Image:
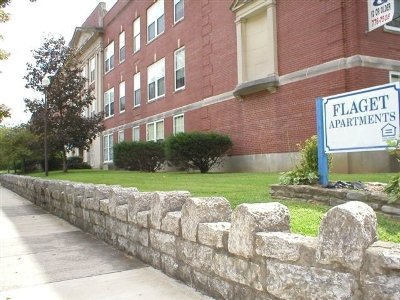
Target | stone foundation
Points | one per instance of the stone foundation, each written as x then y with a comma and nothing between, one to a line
378,201
247,253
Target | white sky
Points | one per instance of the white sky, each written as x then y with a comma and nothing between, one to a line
30,22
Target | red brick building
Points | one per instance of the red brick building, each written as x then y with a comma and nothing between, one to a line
251,69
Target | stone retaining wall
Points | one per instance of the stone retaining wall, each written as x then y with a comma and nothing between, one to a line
377,200
247,253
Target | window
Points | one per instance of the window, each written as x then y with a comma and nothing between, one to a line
179,124
122,46
121,136
136,35
179,68
136,134
136,90
109,57
155,131
178,10
93,108
395,23
108,148
92,66
394,76
155,20
156,79
109,103
122,96
84,71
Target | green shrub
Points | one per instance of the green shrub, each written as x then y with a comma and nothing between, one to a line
306,171
197,149
76,162
139,156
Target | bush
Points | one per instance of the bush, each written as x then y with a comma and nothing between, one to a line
306,172
139,156
197,149
76,162
393,187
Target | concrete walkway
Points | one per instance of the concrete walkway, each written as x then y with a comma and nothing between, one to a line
44,257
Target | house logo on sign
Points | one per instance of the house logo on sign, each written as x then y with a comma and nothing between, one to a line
388,131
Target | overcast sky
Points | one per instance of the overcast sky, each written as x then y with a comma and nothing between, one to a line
29,24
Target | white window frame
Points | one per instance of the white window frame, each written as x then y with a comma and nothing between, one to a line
155,13
109,58
136,35
122,98
157,136
134,137
121,136
391,73
92,69
183,10
122,49
136,87
178,51
155,73
109,108
175,131
85,71
108,148
390,28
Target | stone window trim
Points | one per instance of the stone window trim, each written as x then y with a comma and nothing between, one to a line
269,83
244,10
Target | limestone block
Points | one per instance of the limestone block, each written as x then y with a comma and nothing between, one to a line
149,256
247,219
284,246
214,234
164,202
96,218
121,212
356,196
110,223
138,235
382,257
200,280
221,289
138,202
121,228
345,233
380,287
119,197
103,206
122,243
172,222
93,204
203,210
169,265
142,218
195,255
390,210
163,242
238,270
102,191
287,281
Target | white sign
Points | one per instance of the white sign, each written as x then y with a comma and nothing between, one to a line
380,12
362,120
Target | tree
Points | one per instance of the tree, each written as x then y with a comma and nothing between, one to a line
18,145
4,112
67,98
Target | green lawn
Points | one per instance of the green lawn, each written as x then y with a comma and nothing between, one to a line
237,188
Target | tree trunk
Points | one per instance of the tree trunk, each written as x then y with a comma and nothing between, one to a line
65,166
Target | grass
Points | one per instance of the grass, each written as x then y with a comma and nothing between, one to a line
237,188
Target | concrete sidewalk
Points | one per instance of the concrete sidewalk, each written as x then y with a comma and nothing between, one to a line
44,257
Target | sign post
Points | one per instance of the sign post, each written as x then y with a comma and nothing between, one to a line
323,168
362,120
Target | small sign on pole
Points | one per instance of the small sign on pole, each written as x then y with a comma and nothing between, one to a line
362,120
380,12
